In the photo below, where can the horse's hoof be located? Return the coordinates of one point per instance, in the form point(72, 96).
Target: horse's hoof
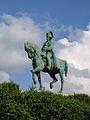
point(60, 91)
point(42, 89)
point(51, 86)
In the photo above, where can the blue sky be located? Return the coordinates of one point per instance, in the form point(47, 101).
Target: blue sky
point(67, 19)
point(74, 12)
point(57, 12)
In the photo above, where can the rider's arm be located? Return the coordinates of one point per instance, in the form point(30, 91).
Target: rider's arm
point(44, 48)
point(50, 46)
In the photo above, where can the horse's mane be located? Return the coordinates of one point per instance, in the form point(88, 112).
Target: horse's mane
point(35, 47)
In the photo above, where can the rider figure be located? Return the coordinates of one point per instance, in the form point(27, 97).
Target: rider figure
point(48, 48)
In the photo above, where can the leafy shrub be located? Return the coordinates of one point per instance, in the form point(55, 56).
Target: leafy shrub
point(33, 105)
point(82, 98)
point(50, 106)
point(10, 108)
point(9, 91)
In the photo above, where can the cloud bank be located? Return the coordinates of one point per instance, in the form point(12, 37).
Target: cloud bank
point(14, 31)
point(77, 54)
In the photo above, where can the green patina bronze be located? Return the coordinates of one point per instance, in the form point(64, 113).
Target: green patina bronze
point(45, 60)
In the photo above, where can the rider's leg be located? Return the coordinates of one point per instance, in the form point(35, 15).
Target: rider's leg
point(48, 60)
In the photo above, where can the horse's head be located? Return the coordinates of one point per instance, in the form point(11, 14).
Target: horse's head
point(32, 50)
point(29, 50)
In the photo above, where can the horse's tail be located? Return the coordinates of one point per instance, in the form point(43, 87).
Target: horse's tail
point(66, 68)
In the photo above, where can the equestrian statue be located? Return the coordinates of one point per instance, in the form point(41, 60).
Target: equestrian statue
point(46, 61)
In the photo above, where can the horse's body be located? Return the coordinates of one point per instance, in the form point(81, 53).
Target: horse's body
point(58, 66)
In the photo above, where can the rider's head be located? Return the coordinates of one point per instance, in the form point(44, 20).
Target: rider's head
point(49, 35)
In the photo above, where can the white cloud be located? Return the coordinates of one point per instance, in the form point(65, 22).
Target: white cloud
point(14, 31)
point(75, 49)
point(4, 77)
point(75, 52)
point(65, 42)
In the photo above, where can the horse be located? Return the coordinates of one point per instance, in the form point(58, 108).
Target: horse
point(58, 66)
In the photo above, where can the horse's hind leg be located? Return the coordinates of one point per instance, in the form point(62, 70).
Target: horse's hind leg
point(54, 80)
point(39, 79)
point(62, 82)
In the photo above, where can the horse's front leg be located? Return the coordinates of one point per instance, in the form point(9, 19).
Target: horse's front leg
point(39, 79)
point(33, 77)
point(33, 73)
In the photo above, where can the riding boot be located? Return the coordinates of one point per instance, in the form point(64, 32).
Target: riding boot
point(49, 61)
point(49, 64)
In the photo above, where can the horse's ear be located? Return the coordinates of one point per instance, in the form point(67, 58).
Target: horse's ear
point(26, 45)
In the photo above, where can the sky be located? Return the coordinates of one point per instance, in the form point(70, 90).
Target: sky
point(29, 20)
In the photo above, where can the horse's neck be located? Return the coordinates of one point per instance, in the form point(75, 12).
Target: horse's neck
point(36, 61)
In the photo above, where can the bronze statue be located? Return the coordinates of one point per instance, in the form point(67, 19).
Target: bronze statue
point(45, 60)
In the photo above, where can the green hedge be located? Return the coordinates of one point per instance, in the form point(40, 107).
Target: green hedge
point(33, 105)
